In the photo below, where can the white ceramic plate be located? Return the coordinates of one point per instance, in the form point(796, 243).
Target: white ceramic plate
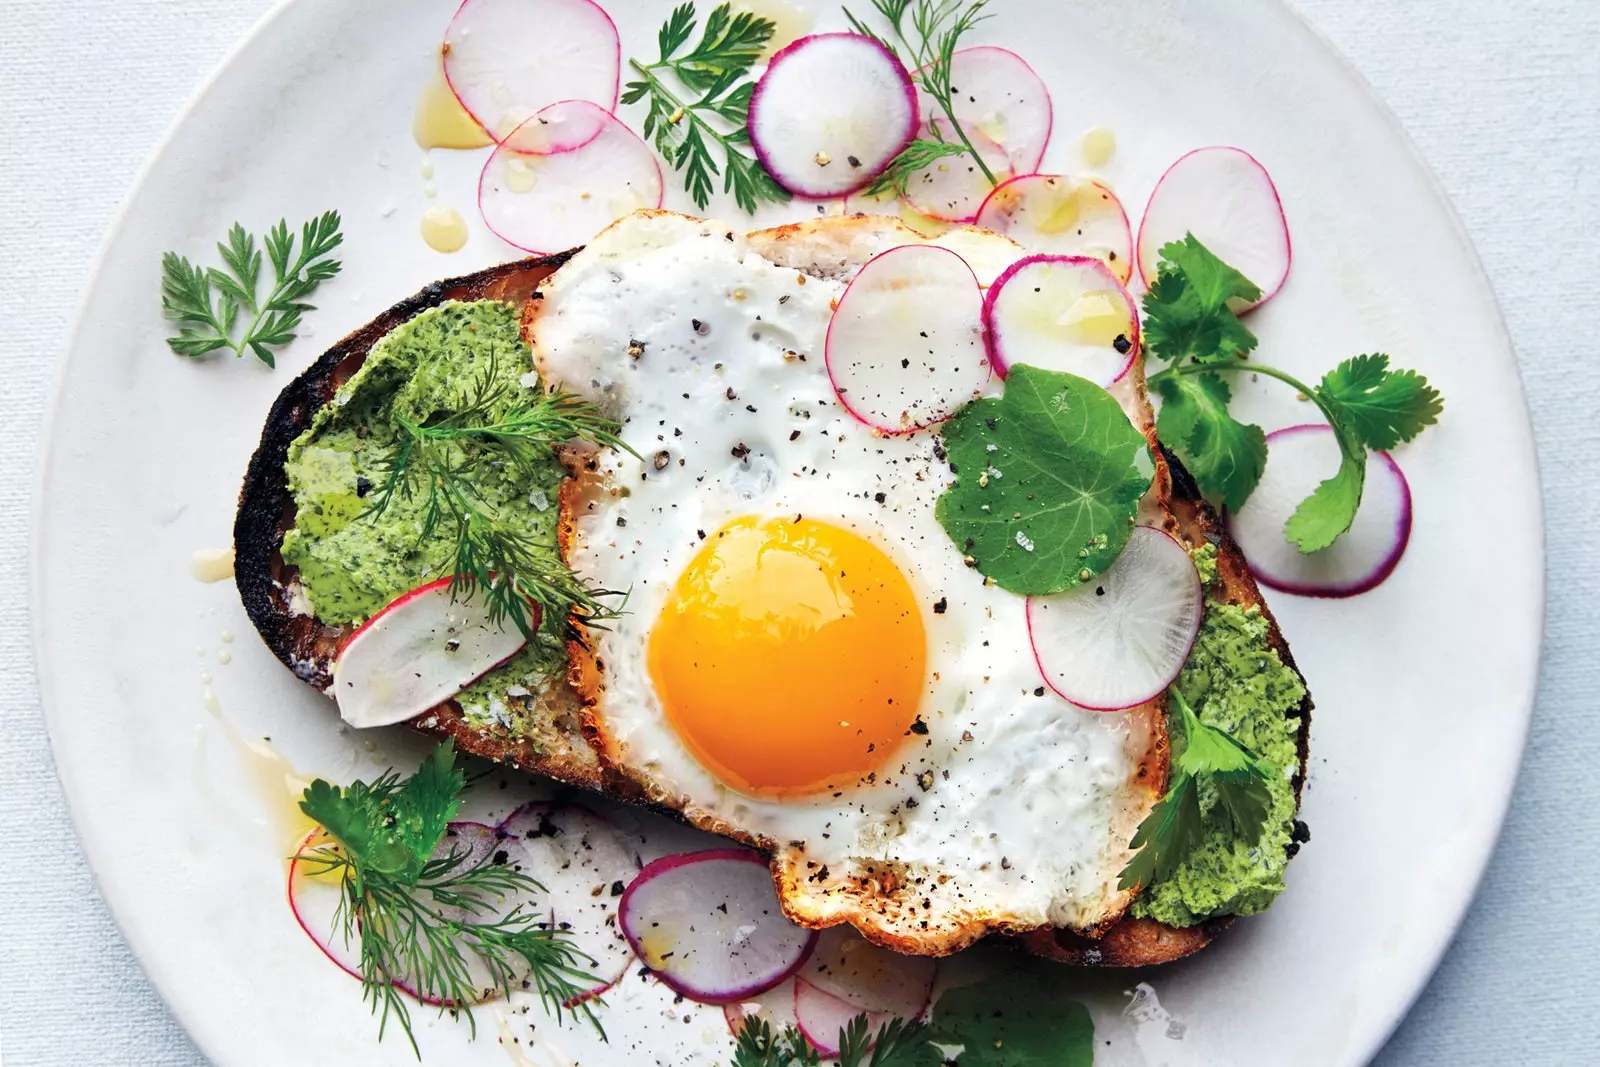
point(1423, 688)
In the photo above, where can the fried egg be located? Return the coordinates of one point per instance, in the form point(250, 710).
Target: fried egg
point(805, 660)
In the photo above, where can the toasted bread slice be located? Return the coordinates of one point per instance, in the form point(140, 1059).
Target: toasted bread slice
point(558, 746)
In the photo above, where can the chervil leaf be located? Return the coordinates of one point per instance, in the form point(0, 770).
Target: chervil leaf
point(355, 817)
point(1187, 310)
point(757, 1046)
point(1331, 508)
point(1015, 1020)
point(1173, 829)
point(430, 798)
point(1047, 485)
point(1382, 407)
point(1225, 456)
point(676, 30)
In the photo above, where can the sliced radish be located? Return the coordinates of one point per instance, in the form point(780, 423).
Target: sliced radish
point(1224, 197)
point(1061, 215)
point(998, 95)
point(423, 648)
point(1300, 458)
point(830, 113)
point(847, 966)
point(905, 347)
point(315, 900)
point(565, 175)
point(954, 188)
point(507, 59)
point(709, 925)
point(1119, 640)
point(1061, 313)
point(775, 1007)
point(821, 1016)
point(577, 856)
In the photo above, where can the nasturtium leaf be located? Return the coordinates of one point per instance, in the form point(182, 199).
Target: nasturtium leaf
point(1225, 456)
point(1381, 407)
point(1046, 483)
point(1015, 1020)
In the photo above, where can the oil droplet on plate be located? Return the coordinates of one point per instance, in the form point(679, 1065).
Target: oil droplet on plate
point(1098, 146)
point(427, 167)
point(224, 657)
point(441, 121)
point(791, 20)
point(212, 564)
point(444, 229)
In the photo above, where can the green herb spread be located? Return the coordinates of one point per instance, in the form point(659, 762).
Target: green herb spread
point(350, 564)
point(1237, 683)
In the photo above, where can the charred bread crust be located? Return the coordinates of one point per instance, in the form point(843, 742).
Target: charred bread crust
point(266, 512)
point(308, 648)
point(1140, 942)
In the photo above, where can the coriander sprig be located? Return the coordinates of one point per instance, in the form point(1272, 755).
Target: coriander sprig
point(448, 460)
point(1190, 323)
point(423, 920)
point(208, 303)
point(1176, 826)
point(928, 47)
point(713, 106)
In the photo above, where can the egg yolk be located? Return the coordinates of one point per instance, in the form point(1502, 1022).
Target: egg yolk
point(790, 657)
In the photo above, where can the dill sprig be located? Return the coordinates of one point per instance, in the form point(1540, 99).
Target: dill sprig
point(716, 107)
point(448, 458)
point(928, 47)
point(421, 921)
point(208, 302)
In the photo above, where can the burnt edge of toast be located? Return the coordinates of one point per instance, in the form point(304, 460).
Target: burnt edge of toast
point(307, 647)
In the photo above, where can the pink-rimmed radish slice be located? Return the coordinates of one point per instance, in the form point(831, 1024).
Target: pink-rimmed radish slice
point(423, 648)
point(905, 347)
point(954, 188)
point(1000, 96)
point(579, 859)
point(1300, 458)
point(545, 199)
point(1120, 639)
point(847, 966)
point(830, 113)
point(821, 1016)
point(775, 1007)
point(506, 60)
point(710, 926)
point(1224, 197)
point(1062, 313)
point(1058, 214)
point(314, 898)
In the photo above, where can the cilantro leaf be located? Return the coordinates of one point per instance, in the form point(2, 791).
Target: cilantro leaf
point(1015, 1020)
point(1047, 485)
point(1173, 829)
point(423, 807)
point(1240, 779)
point(1331, 507)
point(1226, 456)
point(356, 817)
point(1382, 407)
point(1188, 310)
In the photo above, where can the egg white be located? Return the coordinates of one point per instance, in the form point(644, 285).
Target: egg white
point(1014, 808)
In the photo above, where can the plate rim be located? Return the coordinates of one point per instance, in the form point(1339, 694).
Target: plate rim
point(1425, 964)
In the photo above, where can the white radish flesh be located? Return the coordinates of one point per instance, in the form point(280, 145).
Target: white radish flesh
point(1057, 214)
point(422, 649)
point(830, 113)
point(710, 926)
point(905, 347)
point(997, 94)
point(1224, 197)
point(775, 1007)
point(1062, 313)
point(952, 189)
point(1300, 458)
point(821, 1016)
point(565, 175)
point(1121, 638)
point(847, 966)
point(578, 858)
point(506, 60)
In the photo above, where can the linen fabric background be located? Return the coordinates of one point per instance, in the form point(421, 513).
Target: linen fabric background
point(1502, 98)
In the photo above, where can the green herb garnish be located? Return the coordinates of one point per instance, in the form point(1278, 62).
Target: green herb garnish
point(1211, 762)
point(417, 917)
point(446, 457)
point(927, 46)
point(897, 1043)
point(208, 303)
point(1047, 483)
point(1189, 323)
point(716, 107)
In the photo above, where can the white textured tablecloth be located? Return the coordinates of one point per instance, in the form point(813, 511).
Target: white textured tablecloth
point(1502, 96)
